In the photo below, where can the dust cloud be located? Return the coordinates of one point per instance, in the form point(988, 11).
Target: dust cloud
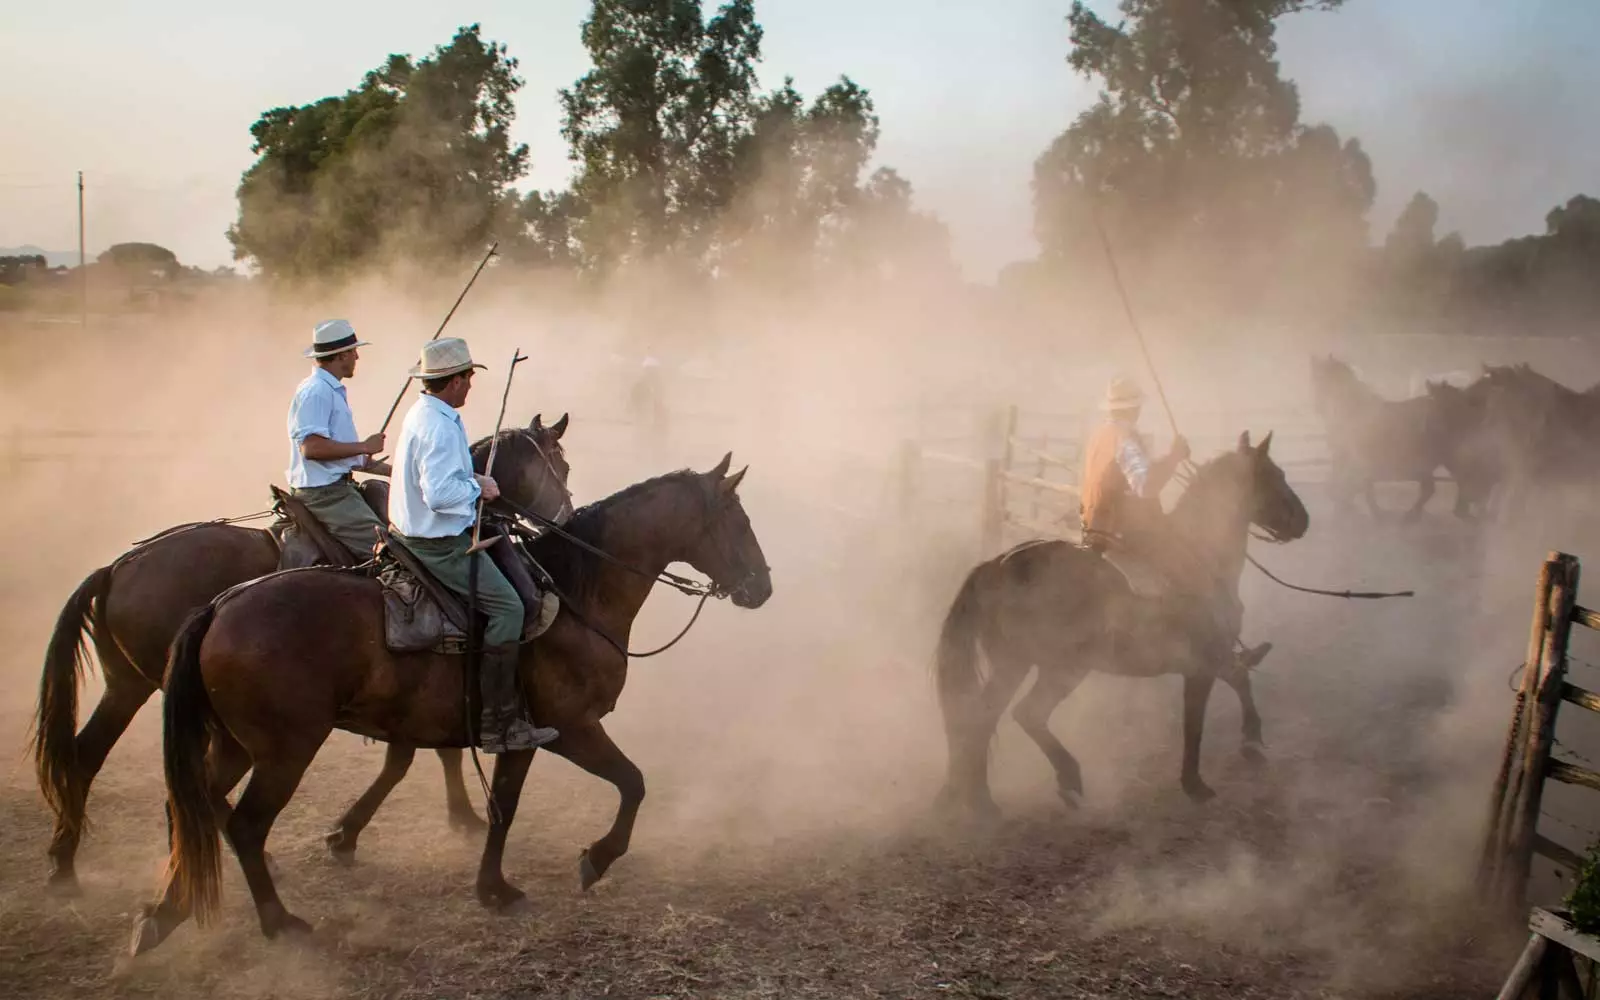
point(805, 736)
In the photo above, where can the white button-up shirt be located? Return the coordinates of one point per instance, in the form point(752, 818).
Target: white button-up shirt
point(320, 407)
point(433, 494)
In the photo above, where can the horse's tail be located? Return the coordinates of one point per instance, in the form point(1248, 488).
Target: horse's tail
point(956, 665)
point(55, 723)
point(195, 868)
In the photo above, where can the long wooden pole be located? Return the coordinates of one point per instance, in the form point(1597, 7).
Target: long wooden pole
point(83, 270)
point(1133, 324)
point(402, 393)
point(494, 446)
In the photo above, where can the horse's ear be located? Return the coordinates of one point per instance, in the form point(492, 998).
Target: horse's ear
point(727, 486)
point(722, 468)
point(1244, 441)
point(1265, 446)
point(538, 423)
point(559, 427)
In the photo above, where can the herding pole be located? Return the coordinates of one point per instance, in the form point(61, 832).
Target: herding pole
point(452, 312)
point(494, 445)
point(83, 271)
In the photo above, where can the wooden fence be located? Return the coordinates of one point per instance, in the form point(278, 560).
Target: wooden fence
point(1021, 473)
point(1511, 838)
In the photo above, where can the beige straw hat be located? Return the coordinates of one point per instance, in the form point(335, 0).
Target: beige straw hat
point(333, 336)
point(1122, 394)
point(443, 357)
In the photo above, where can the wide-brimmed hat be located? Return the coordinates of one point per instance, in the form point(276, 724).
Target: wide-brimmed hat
point(1122, 394)
point(441, 358)
point(333, 336)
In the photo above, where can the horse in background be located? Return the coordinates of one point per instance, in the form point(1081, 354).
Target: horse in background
point(1536, 433)
point(1373, 439)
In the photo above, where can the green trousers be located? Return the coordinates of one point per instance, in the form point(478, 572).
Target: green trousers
point(448, 560)
point(344, 513)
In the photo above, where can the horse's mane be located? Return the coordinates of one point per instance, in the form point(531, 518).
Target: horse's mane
point(572, 567)
point(514, 443)
point(1205, 474)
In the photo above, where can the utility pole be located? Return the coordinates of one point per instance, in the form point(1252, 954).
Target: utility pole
point(83, 271)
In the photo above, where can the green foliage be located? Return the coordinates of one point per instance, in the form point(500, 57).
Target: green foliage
point(416, 161)
point(17, 269)
point(1583, 902)
point(1195, 146)
point(141, 263)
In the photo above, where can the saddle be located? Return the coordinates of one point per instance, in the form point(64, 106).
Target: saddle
point(303, 541)
point(419, 612)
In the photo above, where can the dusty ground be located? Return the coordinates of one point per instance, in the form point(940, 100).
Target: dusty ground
point(1334, 871)
point(787, 848)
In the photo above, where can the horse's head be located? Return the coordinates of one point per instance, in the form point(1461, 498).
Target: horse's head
point(1334, 384)
point(531, 467)
point(726, 548)
point(1274, 505)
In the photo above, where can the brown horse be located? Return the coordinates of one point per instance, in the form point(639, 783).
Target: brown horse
point(1375, 440)
point(1538, 433)
point(1048, 605)
point(264, 674)
point(132, 609)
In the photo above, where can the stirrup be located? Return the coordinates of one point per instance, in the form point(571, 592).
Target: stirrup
point(516, 735)
point(549, 607)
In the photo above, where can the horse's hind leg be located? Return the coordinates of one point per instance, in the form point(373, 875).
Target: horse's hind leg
point(967, 783)
point(463, 818)
point(1196, 692)
point(591, 748)
point(126, 692)
point(272, 785)
point(342, 840)
point(226, 762)
point(1033, 715)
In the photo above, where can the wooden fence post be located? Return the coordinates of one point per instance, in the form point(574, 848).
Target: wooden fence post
point(993, 508)
point(1542, 725)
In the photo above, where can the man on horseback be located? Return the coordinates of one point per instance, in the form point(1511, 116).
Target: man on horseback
point(432, 511)
point(324, 447)
point(1122, 516)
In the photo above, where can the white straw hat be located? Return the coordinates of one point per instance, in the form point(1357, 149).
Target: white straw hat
point(333, 336)
point(1122, 394)
point(440, 358)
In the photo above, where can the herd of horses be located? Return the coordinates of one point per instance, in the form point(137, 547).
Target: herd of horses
point(260, 666)
point(1509, 434)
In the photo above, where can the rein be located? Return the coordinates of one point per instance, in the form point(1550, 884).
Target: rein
point(682, 584)
point(1349, 595)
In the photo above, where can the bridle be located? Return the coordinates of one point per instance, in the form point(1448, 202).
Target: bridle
point(564, 512)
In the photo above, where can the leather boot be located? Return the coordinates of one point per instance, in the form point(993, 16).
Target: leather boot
point(539, 608)
point(502, 727)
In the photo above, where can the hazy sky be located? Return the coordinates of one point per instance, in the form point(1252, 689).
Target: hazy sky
point(1485, 103)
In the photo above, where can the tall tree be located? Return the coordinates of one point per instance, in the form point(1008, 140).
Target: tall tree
point(654, 125)
point(415, 163)
point(1195, 146)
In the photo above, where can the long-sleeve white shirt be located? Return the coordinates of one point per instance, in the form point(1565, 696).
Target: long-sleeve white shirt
point(320, 407)
point(434, 493)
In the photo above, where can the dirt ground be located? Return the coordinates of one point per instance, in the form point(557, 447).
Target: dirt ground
point(787, 847)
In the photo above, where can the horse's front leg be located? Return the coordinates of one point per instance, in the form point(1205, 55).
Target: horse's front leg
point(505, 790)
point(1425, 490)
point(1239, 680)
point(589, 747)
point(1196, 692)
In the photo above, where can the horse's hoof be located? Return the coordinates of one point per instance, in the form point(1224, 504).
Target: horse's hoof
point(502, 899)
point(1073, 800)
point(1252, 753)
point(63, 883)
point(467, 822)
point(588, 875)
point(289, 927)
point(1198, 791)
point(340, 847)
point(147, 933)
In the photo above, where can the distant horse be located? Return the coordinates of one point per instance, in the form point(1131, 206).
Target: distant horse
point(1538, 432)
point(132, 609)
point(1375, 440)
point(264, 674)
point(1067, 611)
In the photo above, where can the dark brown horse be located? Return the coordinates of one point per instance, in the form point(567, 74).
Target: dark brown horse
point(1538, 433)
point(132, 609)
point(263, 674)
point(1050, 605)
point(1374, 440)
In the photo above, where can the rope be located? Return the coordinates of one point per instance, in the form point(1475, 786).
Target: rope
point(1349, 595)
